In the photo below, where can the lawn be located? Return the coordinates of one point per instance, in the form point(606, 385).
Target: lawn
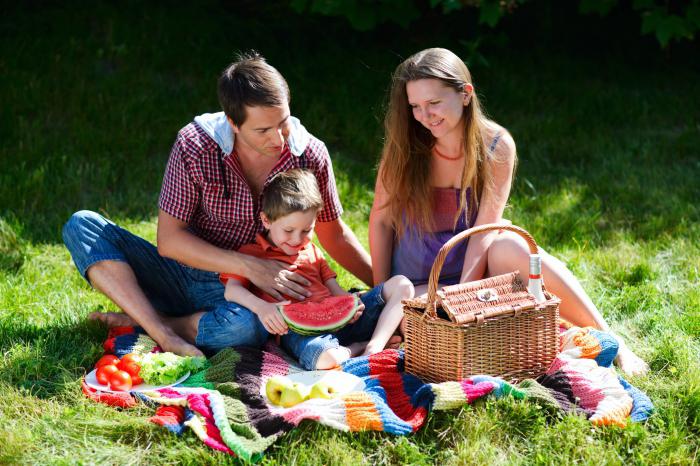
point(607, 181)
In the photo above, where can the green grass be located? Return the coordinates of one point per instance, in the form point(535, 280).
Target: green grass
point(607, 181)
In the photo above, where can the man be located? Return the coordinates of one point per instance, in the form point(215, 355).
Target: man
point(209, 207)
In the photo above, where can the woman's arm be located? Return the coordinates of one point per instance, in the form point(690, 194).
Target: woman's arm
point(268, 313)
point(381, 235)
point(493, 203)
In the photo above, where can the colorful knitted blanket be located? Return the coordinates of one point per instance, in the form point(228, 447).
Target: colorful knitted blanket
point(224, 407)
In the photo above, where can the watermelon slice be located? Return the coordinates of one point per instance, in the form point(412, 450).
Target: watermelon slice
point(327, 316)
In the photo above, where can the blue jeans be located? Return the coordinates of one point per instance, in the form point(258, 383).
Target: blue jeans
point(174, 289)
point(308, 349)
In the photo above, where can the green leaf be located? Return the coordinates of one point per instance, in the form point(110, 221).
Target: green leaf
point(643, 4)
point(692, 14)
point(298, 5)
point(600, 7)
point(490, 12)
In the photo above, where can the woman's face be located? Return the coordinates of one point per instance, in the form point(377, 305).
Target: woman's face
point(437, 106)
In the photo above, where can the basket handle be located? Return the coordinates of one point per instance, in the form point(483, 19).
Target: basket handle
point(447, 247)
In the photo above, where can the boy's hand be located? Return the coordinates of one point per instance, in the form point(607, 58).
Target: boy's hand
point(271, 318)
point(277, 278)
point(360, 310)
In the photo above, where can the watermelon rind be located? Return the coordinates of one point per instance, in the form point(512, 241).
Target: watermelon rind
point(315, 331)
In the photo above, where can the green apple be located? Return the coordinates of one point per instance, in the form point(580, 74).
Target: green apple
point(322, 389)
point(274, 388)
point(294, 394)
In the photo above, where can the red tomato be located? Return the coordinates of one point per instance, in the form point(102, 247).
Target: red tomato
point(105, 372)
point(136, 380)
point(132, 357)
point(131, 367)
point(120, 380)
point(107, 359)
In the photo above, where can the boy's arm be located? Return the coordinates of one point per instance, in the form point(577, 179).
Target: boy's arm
point(337, 290)
point(268, 313)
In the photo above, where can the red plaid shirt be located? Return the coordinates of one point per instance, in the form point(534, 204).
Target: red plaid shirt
point(193, 188)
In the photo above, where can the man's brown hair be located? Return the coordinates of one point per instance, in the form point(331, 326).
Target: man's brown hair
point(250, 82)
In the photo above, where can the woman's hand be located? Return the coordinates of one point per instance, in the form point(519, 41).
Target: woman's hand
point(276, 278)
point(271, 318)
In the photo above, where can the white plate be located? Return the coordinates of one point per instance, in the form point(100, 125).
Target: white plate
point(341, 381)
point(91, 381)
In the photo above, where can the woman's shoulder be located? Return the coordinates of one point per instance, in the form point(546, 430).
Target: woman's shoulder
point(498, 140)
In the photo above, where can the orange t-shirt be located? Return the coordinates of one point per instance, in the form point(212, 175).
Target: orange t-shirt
point(309, 261)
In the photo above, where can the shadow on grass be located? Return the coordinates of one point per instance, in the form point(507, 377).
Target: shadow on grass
point(43, 359)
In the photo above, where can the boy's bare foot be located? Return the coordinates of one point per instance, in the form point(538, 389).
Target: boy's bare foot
point(112, 319)
point(394, 342)
point(357, 348)
point(629, 363)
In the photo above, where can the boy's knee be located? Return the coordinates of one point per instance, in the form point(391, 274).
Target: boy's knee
point(332, 357)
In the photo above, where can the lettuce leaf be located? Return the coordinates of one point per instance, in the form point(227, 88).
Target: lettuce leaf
point(166, 368)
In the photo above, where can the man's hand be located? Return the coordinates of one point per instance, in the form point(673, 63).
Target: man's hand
point(271, 318)
point(277, 278)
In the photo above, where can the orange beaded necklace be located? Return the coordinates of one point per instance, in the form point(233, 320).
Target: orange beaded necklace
point(446, 157)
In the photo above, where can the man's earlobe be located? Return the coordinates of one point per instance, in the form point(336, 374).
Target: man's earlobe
point(232, 124)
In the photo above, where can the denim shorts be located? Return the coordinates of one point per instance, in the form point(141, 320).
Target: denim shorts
point(172, 288)
point(308, 349)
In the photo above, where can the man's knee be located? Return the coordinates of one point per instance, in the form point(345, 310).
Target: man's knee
point(82, 224)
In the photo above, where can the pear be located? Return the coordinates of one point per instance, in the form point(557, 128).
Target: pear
point(323, 390)
point(294, 394)
point(274, 388)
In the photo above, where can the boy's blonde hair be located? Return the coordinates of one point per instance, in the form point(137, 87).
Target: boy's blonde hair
point(291, 191)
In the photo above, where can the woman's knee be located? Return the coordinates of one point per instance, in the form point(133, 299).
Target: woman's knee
point(507, 252)
point(398, 285)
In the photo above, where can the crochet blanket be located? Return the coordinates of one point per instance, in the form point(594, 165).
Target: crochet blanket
point(223, 405)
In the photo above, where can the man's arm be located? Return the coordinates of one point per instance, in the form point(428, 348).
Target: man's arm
point(177, 242)
point(343, 246)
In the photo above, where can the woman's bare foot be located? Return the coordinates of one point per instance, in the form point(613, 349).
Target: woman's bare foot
point(112, 319)
point(629, 363)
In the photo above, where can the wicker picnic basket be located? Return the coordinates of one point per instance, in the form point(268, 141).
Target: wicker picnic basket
point(492, 326)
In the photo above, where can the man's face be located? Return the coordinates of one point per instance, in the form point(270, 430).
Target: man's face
point(264, 131)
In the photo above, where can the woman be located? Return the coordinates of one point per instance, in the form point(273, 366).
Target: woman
point(445, 167)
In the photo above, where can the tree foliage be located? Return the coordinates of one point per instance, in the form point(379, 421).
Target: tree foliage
point(667, 20)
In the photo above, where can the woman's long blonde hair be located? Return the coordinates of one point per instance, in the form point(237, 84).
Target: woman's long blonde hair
point(405, 164)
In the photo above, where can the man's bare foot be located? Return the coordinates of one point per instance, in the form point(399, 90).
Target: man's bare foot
point(629, 363)
point(112, 319)
point(177, 345)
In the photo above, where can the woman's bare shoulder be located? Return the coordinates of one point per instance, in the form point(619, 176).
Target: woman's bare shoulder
point(499, 138)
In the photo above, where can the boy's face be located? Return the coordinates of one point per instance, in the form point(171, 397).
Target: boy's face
point(292, 232)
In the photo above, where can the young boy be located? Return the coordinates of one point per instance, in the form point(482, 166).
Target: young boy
point(291, 202)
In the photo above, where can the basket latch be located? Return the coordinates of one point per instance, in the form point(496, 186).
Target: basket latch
point(487, 295)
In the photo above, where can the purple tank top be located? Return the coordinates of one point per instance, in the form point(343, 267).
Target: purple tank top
point(414, 254)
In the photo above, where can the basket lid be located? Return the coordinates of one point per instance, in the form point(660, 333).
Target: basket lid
point(474, 301)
